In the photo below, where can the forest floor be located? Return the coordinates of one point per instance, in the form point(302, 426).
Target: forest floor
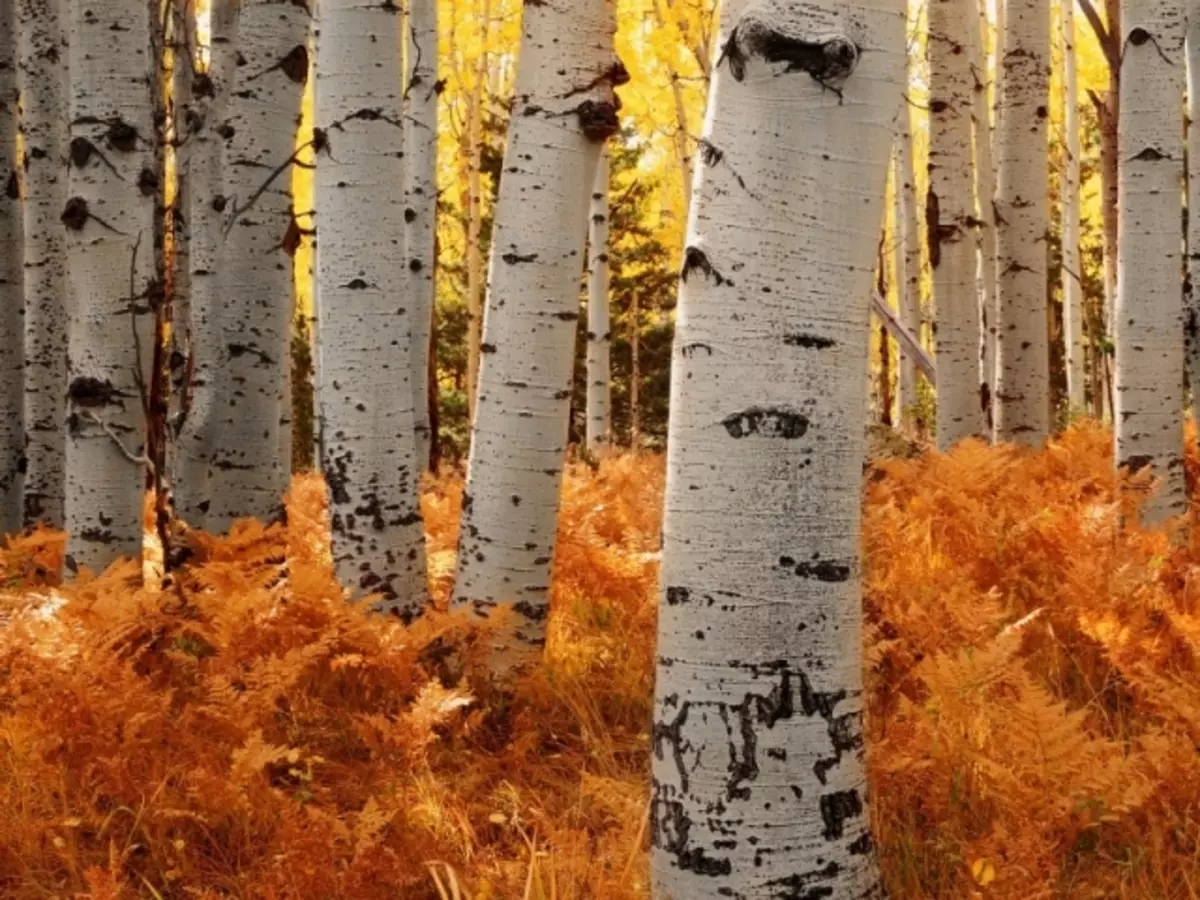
point(1033, 680)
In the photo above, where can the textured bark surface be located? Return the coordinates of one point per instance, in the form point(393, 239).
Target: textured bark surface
point(599, 337)
point(366, 316)
point(1072, 285)
point(985, 195)
point(250, 466)
point(42, 76)
point(563, 110)
point(12, 434)
point(420, 215)
point(1147, 397)
point(910, 285)
point(1192, 285)
point(1022, 400)
point(950, 221)
point(758, 784)
point(109, 219)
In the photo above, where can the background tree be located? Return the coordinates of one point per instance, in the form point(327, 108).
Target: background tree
point(599, 331)
point(12, 435)
point(1072, 276)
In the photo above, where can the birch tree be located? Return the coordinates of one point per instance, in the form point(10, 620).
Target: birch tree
point(1192, 285)
point(420, 216)
point(250, 469)
point(950, 220)
point(985, 192)
point(563, 111)
point(12, 435)
point(910, 285)
point(599, 338)
point(110, 223)
point(758, 786)
point(1022, 398)
point(1147, 398)
point(1072, 271)
point(365, 317)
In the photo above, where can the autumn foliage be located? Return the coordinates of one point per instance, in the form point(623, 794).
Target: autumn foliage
point(1034, 705)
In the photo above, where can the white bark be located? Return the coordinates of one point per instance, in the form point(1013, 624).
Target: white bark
point(199, 162)
point(599, 337)
point(985, 195)
point(12, 434)
point(367, 328)
point(562, 111)
point(1148, 397)
point(110, 223)
point(1192, 289)
point(1022, 396)
point(950, 221)
point(250, 468)
point(758, 783)
point(1072, 286)
point(420, 141)
point(910, 287)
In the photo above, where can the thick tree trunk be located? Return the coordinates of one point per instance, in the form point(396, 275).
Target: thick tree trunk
point(1147, 400)
point(42, 76)
point(199, 161)
point(758, 783)
point(1022, 217)
point(420, 216)
point(985, 195)
point(110, 225)
point(563, 110)
point(366, 352)
point(599, 337)
point(1072, 271)
point(950, 221)
point(254, 273)
point(12, 284)
point(1192, 290)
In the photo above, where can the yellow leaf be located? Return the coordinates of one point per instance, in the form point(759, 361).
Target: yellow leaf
point(983, 872)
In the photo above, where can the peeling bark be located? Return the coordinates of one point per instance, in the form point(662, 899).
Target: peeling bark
point(758, 785)
point(12, 287)
point(366, 317)
point(563, 110)
point(1147, 397)
point(599, 389)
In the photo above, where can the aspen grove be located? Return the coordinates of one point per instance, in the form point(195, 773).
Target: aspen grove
point(674, 449)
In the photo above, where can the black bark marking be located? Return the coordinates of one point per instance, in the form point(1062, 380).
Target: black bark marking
point(513, 258)
point(805, 885)
point(1135, 464)
point(825, 570)
point(809, 341)
point(1150, 154)
point(92, 393)
point(768, 422)
point(689, 350)
point(695, 258)
point(836, 808)
point(11, 190)
point(862, 846)
point(829, 63)
point(678, 596)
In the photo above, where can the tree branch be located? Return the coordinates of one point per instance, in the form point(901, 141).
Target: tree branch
point(1103, 37)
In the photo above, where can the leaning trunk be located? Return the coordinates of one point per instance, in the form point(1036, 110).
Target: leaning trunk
point(250, 467)
point(110, 225)
point(563, 110)
point(758, 784)
point(950, 221)
point(42, 76)
point(1072, 272)
point(365, 373)
point(1147, 396)
point(1022, 398)
point(12, 436)
point(598, 333)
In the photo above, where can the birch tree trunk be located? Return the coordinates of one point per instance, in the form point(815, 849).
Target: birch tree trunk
point(250, 469)
point(1192, 289)
point(950, 221)
point(1072, 286)
point(985, 195)
point(563, 111)
point(199, 161)
point(420, 216)
point(1022, 397)
point(475, 273)
point(110, 223)
point(12, 285)
point(1147, 400)
point(910, 287)
point(599, 337)
point(366, 351)
point(758, 785)
point(42, 77)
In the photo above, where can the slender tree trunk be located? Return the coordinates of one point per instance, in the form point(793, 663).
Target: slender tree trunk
point(254, 273)
point(950, 221)
point(366, 372)
point(420, 217)
point(1192, 285)
point(563, 111)
point(1072, 285)
point(758, 786)
point(42, 77)
point(1149, 373)
point(599, 337)
point(985, 195)
point(910, 287)
point(12, 284)
point(110, 225)
point(1022, 218)
point(635, 372)
point(683, 156)
point(475, 272)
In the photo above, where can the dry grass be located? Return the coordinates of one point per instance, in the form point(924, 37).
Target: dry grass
point(1034, 708)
